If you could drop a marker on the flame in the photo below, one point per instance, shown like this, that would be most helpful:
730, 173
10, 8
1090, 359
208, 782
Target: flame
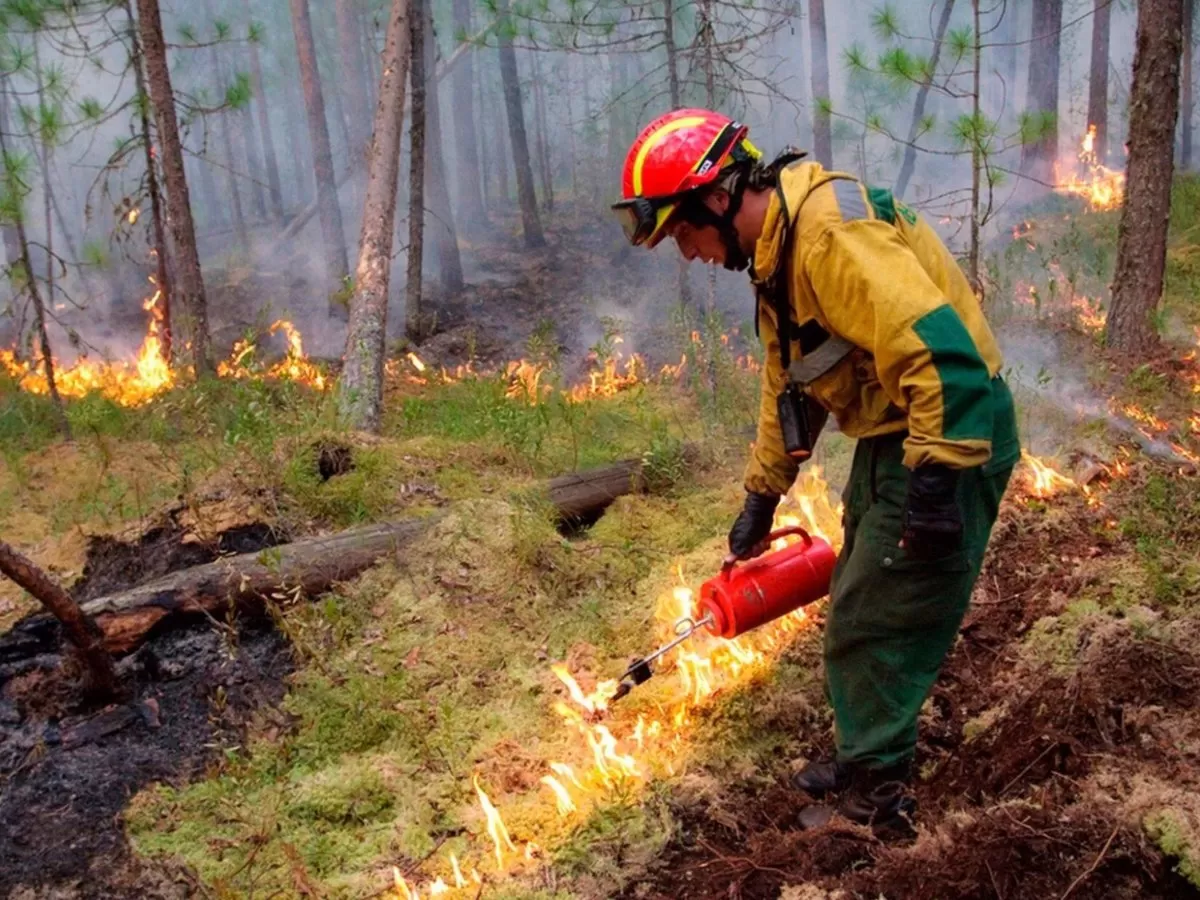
1044, 481
133, 215
609, 381
495, 826
293, 367
416, 362
597, 701
565, 804
438, 887
1102, 187
402, 888
459, 881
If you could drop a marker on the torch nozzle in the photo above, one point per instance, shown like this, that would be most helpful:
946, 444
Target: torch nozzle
639, 671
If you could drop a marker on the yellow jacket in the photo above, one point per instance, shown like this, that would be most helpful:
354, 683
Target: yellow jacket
864, 267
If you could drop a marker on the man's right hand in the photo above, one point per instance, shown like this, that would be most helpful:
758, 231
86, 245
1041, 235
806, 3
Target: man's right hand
748, 536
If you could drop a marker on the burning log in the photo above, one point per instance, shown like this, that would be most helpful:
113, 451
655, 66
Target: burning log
100, 678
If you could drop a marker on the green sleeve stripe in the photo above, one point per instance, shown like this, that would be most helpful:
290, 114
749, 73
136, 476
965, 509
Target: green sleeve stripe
967, 403
883, 203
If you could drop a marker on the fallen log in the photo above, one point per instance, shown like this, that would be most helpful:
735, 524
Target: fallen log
582, 497
306, 567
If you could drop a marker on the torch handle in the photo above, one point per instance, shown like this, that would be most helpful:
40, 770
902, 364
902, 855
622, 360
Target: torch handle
731, 561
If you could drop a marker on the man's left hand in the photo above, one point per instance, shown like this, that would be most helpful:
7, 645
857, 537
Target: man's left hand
933, 526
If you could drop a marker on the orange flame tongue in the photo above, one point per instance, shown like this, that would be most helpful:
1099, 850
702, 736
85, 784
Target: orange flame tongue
1046, 482
495, 826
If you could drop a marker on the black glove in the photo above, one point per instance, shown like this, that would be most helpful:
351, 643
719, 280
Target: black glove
752, 525
933, 526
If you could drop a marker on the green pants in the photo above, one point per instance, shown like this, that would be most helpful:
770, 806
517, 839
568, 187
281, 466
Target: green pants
892, 619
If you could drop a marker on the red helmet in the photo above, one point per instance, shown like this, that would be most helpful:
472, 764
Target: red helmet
682, 151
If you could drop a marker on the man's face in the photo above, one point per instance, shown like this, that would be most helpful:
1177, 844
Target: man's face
701, 242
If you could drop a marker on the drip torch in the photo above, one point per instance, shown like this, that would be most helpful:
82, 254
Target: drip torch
743, 597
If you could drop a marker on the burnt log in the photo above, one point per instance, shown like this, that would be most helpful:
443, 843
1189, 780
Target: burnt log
304, 568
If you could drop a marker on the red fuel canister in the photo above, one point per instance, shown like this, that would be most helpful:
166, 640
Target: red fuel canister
743, 597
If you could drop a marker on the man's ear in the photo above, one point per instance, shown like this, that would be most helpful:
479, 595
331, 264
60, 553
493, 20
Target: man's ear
717, 200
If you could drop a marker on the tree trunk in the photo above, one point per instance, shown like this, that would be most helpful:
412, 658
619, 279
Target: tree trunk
1038, 156
416, 176
502, 146
270, 159
224, 123
360, 387
446, 238
516, 130
1007, 40
672, 53
1187, 103
252, 151
100, 679
1142, 235
188, 281
914, 128
976, 148
1098, 79
300, 159
472, 214
337, 267
354, 97
821, 98
162, 280
543, 140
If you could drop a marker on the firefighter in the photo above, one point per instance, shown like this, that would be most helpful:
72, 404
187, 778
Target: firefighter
864, 315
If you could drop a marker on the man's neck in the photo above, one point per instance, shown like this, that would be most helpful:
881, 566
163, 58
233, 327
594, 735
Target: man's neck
751, 218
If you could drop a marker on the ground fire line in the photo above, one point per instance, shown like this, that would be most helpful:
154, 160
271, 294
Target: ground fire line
619, 751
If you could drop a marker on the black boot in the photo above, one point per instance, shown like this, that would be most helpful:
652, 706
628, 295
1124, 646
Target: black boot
827, 776
876, 797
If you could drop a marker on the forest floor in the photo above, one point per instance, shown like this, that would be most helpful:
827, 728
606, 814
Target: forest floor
344, 742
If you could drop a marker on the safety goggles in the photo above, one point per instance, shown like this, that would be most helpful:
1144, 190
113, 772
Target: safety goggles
643, 219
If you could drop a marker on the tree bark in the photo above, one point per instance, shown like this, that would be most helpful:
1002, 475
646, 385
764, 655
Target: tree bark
270, 158
100, 679
542, 140
1142, 234
1037, 157
1187, 102
337, 267
1098, 79
416, 176
526, 195
914, 128
162, 280
189, 281
224, 124
502, 146
821, 97
360, 387
450, 272
354, 96
472, 214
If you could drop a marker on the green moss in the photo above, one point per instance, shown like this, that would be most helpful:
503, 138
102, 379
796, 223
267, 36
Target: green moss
1055, 640
1170, 830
